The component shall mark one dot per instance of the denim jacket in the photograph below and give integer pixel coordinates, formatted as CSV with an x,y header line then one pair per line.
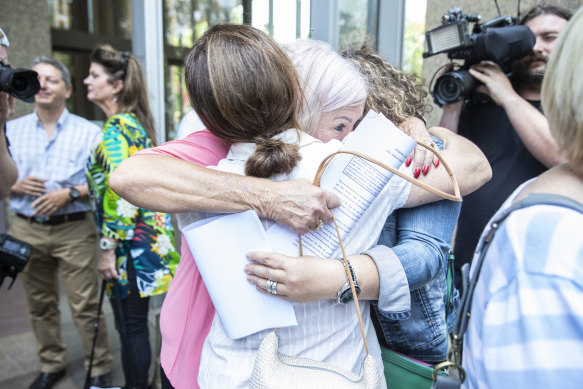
x,y
420,239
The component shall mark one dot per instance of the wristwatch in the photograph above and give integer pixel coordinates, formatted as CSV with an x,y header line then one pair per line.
x,y
74,194
345,293
105,244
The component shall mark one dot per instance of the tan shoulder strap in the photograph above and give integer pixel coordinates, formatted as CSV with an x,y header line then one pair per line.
x,y
455,197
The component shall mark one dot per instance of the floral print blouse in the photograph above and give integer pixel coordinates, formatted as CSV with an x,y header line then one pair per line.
x,y
147,237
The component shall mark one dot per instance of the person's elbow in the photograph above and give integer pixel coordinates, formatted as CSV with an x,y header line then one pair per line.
x,y
8,178
121,180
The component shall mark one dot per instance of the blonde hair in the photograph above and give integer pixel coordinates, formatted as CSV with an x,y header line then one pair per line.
x,y
562,91
328,81
244,88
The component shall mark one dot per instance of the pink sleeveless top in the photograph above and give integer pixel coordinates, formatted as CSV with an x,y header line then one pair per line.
x,y
187,312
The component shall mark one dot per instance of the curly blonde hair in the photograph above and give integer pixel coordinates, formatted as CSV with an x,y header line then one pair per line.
x,y
395,94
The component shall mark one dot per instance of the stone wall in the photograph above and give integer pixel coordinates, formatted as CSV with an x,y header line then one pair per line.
x,y
26,23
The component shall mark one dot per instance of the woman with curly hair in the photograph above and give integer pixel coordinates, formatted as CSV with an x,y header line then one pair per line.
x,y
419,237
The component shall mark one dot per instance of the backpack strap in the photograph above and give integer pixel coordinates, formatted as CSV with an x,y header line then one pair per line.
x,y
462,320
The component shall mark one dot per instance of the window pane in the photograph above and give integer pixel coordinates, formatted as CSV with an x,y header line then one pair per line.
x,y
414,38
177,103
187,20
358,20
288,19
102,17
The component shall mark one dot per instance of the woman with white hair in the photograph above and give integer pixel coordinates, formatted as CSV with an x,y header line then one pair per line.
x,y
526,325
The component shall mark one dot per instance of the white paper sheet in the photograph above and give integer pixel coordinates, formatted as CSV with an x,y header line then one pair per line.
x,y
223,242
356,181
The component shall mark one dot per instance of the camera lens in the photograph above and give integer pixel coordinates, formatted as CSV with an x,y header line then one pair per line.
x,y
453,86
20,83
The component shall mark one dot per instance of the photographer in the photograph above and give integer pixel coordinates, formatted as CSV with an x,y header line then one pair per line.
x,y
503,117
50,199
8,171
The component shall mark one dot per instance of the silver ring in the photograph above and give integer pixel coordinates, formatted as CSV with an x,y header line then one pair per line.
x,y
271,286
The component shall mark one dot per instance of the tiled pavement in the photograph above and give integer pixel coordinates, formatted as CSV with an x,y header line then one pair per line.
x,y
19,364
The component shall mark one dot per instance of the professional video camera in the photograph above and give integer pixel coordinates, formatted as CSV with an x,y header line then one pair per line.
x,y
498,40
20,83
14,255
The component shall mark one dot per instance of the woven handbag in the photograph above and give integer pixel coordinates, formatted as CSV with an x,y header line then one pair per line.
x,y
273,370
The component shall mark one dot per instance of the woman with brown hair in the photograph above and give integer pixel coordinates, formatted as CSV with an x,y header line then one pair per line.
x,y
137,254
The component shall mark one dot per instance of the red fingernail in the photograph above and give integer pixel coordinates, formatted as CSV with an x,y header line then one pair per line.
x,y
408,161
436,162
417,172
425,170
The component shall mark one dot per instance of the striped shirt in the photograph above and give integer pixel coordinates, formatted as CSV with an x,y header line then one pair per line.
x,y
60,160
526,327
327,330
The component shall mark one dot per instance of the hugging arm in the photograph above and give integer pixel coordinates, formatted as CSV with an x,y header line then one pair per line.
x,y
8,170
168,184
468,163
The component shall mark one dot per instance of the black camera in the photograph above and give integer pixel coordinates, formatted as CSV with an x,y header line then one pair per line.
x,y
498,40
14,255
20,83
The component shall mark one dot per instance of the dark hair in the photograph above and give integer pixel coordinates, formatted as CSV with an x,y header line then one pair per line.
x,y
546,9
65,75
392,92
244,88
134,96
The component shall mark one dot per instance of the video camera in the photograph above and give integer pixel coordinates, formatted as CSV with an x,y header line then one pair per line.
x,y
20,83
14,255
499,40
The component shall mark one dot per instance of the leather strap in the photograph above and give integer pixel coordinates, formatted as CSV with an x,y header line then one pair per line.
x,y
326,162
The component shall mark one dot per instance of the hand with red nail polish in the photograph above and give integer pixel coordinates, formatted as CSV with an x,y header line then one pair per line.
x,y
436,162
425,170
417,172
408,161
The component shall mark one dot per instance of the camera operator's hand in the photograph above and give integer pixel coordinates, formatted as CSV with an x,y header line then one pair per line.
x,y
422,159
51,202
30,185
107,265
496,83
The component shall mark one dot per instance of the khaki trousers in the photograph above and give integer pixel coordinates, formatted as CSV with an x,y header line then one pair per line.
x,y
72,247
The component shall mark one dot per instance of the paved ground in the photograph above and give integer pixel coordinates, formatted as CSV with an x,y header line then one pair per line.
x,y
19,364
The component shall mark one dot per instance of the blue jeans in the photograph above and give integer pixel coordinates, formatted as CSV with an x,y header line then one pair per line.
x,y
420,237
132,326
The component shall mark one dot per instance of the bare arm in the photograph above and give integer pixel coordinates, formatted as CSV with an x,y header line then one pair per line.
x,y
450,117
528,122
468,163
168,184
305,279
8,170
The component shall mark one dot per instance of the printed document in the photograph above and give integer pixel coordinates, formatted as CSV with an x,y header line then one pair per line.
x,y
220,244
356,181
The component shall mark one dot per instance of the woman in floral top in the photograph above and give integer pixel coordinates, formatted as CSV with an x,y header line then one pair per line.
x,y
137,245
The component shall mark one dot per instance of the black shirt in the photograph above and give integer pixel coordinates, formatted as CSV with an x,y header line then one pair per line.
x,y
486,124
